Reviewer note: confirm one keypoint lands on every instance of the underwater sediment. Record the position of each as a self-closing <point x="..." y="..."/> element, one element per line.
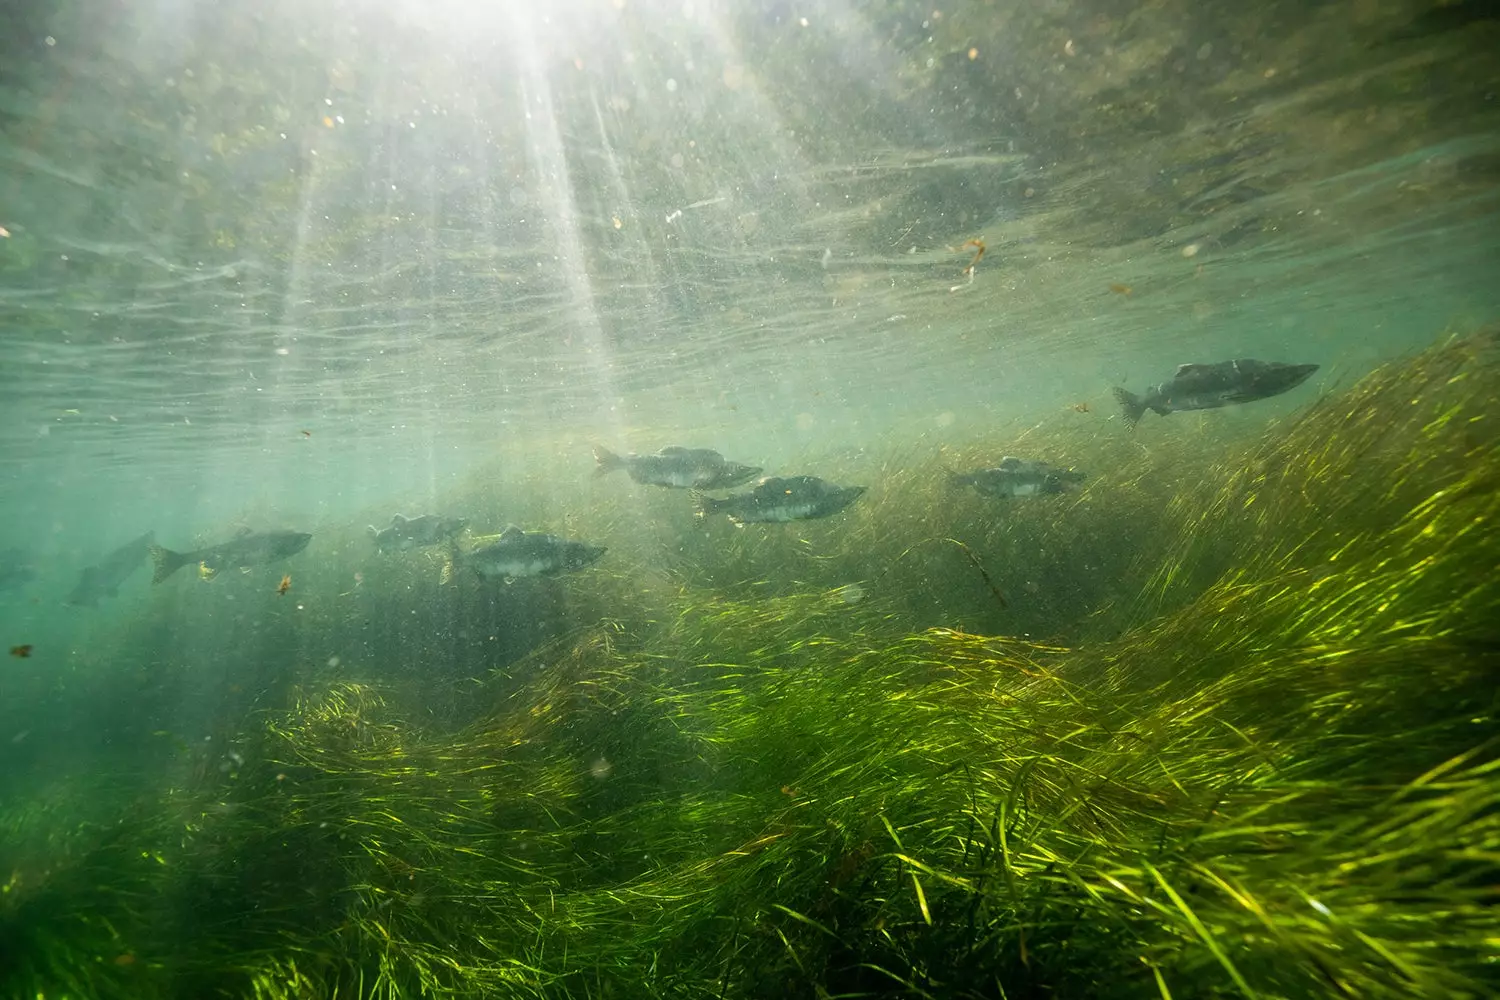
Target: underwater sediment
<point x="1233" y="733"/>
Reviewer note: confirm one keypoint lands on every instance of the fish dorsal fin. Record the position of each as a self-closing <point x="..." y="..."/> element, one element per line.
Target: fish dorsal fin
<point x="242" y="531"/>
<point x="673" y="449"/>
<point x="511" y="533"/>
<point x="1188" y="369"/>
<point x="398" y="519"/>
<point x="1009" y="462"/>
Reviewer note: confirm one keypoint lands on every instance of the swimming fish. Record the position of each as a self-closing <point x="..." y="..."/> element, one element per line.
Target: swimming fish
<point x="1018" y="477"/>
<point x="679" y="468"/>
<point x="414" y="532"/>
<point x="104" y="579"/>
<point x="519" y="554"/>
<point x="246" y="549"/>
<point x="1208" y="387"/>
<point x="779" y="499"/>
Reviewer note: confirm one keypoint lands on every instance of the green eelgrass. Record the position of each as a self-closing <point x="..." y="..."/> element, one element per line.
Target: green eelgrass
<point x="1255" y="755"/>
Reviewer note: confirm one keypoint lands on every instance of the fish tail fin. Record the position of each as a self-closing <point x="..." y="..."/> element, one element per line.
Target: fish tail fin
<point x="1131" y="404"/>
<point x="704" y="503"/>
<point x="955" y="479"/>
<point x="607" y="461"/>
<point x="374" y="533"/>
<point x="165" y="562"/>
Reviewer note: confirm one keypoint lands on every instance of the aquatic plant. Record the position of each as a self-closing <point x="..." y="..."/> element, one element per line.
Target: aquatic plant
<point x="1250" y="752"/>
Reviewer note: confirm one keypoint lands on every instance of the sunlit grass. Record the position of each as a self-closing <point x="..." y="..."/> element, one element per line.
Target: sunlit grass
<point x="1248" y="749"/>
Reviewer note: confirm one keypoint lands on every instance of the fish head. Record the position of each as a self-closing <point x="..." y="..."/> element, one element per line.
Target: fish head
<point x="292" y="542"/>
<point x="735" y="474"/>
<point x="1272" y="379"/>
<point x="578" y="555"/>
<point x="1295" y="375"/>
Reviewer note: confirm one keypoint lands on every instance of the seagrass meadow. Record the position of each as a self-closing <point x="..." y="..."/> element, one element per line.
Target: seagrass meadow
<point x="1222" y="722"/>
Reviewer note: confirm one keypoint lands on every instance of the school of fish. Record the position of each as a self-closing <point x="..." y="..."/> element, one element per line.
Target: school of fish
<point x="516" y="554"/>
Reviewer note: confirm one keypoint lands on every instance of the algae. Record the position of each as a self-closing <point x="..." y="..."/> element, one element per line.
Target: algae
<point x="1231" y="733"/>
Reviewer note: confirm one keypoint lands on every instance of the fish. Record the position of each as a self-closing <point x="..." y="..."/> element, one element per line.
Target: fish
<point x="246" y="549"/>
<point x="678" y="468"/>
<point x="15" y="570"/>
<point x="104" y="578"/>
<point x="779" y="499"/>
<point x="1018" y="477"/>
<point x="415" y="532"/>
<point x="519" y="554"/>
<point x="22" y="651"/>
<point x="1208" y="387"/>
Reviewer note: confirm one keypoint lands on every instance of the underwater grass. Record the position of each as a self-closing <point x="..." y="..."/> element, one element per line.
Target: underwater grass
<point x="1252" y="752"/>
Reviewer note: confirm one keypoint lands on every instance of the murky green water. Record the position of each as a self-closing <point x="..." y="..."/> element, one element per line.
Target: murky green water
<point x="1214" y="718"/>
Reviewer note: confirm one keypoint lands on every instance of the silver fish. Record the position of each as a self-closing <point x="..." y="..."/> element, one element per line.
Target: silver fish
<point x="519" y="554"/>
<point x="246" y="549"/>
<point x="780" y="499"/>
<point x="1208" y="387"/>
<point x="680" y="468"/>
<point x="1018" y="477"/>
<point x="415" y="532"/>
<point x="104" y="579"/>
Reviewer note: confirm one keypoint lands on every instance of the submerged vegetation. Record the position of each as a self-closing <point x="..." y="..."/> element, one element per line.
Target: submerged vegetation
<point x="1220" y="723"/>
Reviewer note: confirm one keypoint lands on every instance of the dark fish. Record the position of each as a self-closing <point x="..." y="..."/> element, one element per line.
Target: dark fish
<point x="104" y="579"/>
<point x="517" y="555"/>
<point x="681" y="468"/>
<point x="248" y="549"/>
<point x="1018" y="477"/>
<point x="15" y="572"/>
<point x="792" y="498"/>
<point x="1208" y="387"/>
<point x="22" y="651"/>
<point x="414" y="532"/>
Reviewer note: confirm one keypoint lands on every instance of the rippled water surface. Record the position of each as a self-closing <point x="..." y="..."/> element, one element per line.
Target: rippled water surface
<point x="293" y="259"/>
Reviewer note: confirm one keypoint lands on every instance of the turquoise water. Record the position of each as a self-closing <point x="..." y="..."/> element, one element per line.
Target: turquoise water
<point x="302" y="265"/>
